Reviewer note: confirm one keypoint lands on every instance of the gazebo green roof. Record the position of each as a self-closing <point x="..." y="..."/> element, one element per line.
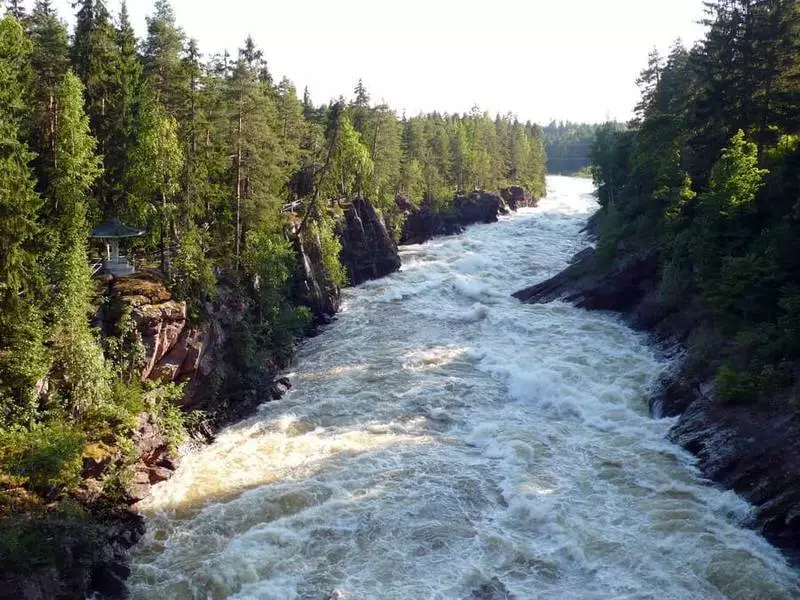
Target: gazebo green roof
<point x="113" y="228"/>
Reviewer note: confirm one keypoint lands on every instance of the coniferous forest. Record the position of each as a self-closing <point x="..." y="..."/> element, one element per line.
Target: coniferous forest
<point x="706" y="181"/>
<point x="203" y="153"/>
<point x="568" y="146"/>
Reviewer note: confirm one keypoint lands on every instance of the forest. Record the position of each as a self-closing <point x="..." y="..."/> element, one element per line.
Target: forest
<point x="567" y="145"/>
<point x="202" y="153"/>
<point x="708" y="176"/>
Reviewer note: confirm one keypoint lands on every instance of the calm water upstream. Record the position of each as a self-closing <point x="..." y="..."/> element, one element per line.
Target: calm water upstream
<point x="441" y="434"/>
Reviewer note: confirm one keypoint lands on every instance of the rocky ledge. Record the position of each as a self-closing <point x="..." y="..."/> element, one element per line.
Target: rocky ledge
<point x="427" y="221"/>
<point x="749" y="448"/>
<point x="368" y="251"/>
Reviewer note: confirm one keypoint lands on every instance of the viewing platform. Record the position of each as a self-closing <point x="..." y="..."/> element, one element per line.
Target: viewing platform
<point x="110" y="233"/>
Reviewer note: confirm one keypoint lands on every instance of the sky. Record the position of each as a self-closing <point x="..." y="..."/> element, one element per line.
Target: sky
<point x="541" y="60"/>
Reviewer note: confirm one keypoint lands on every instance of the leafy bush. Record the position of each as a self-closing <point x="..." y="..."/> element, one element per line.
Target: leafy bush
<point x="46" y="459"/>
<point x="161" y="401"/>
<point x="193" y="277"/>
<point x="125" y="349"/>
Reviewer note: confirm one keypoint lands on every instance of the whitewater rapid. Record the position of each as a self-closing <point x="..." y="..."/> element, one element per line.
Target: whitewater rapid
<point x="441" y="435"/>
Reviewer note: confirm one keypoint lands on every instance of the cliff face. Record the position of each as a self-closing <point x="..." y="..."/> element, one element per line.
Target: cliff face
<point x="368" y="251"/>
<point x="172" y="346"/>
<point x="751" y="448"/>
<point x="312" y="286"/>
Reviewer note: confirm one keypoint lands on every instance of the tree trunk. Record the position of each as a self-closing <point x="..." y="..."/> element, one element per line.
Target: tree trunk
<point x="239" y="188"/>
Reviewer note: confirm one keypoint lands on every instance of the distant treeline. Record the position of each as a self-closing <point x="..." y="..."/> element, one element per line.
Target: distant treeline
<point x="567" y="145"/>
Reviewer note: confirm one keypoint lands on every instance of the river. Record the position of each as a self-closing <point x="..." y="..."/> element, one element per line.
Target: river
<point x="442" y="438"/>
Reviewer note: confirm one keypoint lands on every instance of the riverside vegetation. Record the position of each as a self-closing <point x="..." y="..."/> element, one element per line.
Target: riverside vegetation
<point x="203" y="154"/>
<point x="707" y="175"/>
<point x="698" y="243"/>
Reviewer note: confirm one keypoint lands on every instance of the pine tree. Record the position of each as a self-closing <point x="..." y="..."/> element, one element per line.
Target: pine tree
<point x="22" y="358"/>
<point x="156" y="166"/>
<point x="163" y="66"/>
<point x="16" y="8"/>
<point x="258" y="184"/>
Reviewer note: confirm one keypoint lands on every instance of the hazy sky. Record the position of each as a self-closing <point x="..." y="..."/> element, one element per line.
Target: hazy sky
<point x="540" y="59"/>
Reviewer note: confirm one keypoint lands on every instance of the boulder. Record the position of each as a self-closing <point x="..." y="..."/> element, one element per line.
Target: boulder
<point x="517" y="197"/>
<point x="492" y="590"/>
<point x="477" y="207"/>
<point x="279" y="388"/>
<point x="108" y="579"/>
<point x="589" y="284"/>
<point x="154" y="462"/>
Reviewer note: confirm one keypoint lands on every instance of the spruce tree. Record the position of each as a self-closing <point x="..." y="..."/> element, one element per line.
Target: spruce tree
<point x="121" y="123"/>
<point x="95" y="59"/>
<point x="16" y="8"/>
<point x="22" y="357"/>
<point x="50" y="61"/>
<point x="78" y="367"/>
<point x="162" y="57"/>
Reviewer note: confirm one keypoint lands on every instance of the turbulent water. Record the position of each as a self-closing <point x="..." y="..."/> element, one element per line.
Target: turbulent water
<point x="442" y="437"/>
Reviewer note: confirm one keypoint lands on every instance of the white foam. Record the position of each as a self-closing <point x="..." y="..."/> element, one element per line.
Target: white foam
<point x="441" y="434"/>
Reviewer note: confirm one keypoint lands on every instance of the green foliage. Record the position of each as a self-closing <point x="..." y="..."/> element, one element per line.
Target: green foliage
<point x="330" y="245"/>
<point x="161" y="401"/>
<point x="733" y="387"/>
<point x="124" y="346"/>
<point x="155" y="165"/>
<point x="708" y="174"/>
<point x="270" y="262"/>
<point x="46" y="459"/>
<point x="192" y="273"/>
<point x="78" y="364"/>
<point x="22" y="355"/>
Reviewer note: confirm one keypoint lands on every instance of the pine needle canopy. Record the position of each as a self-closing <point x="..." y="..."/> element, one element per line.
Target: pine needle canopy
<point x="113" y="228"/>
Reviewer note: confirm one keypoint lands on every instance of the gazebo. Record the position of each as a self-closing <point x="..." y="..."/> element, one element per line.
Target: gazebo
<point x="111" y="232"/>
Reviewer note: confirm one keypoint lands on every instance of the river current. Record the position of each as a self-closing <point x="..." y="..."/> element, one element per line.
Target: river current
<point x="441" y="437"/>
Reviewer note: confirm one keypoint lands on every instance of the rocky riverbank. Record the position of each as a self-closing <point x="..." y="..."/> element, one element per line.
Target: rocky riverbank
<point x="429" y="220"/>
<point x="750" y="448"/>
<point x="91" y="557"/>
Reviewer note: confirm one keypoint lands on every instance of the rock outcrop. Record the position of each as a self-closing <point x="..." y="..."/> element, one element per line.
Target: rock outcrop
<point x="312" y="286"/>
<point x="466" y="209"/>
<point x="750" y="448"/>
<point x="368" y="251"/>
<point x="172" y="347"/>
<point x="517" y="197"/>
